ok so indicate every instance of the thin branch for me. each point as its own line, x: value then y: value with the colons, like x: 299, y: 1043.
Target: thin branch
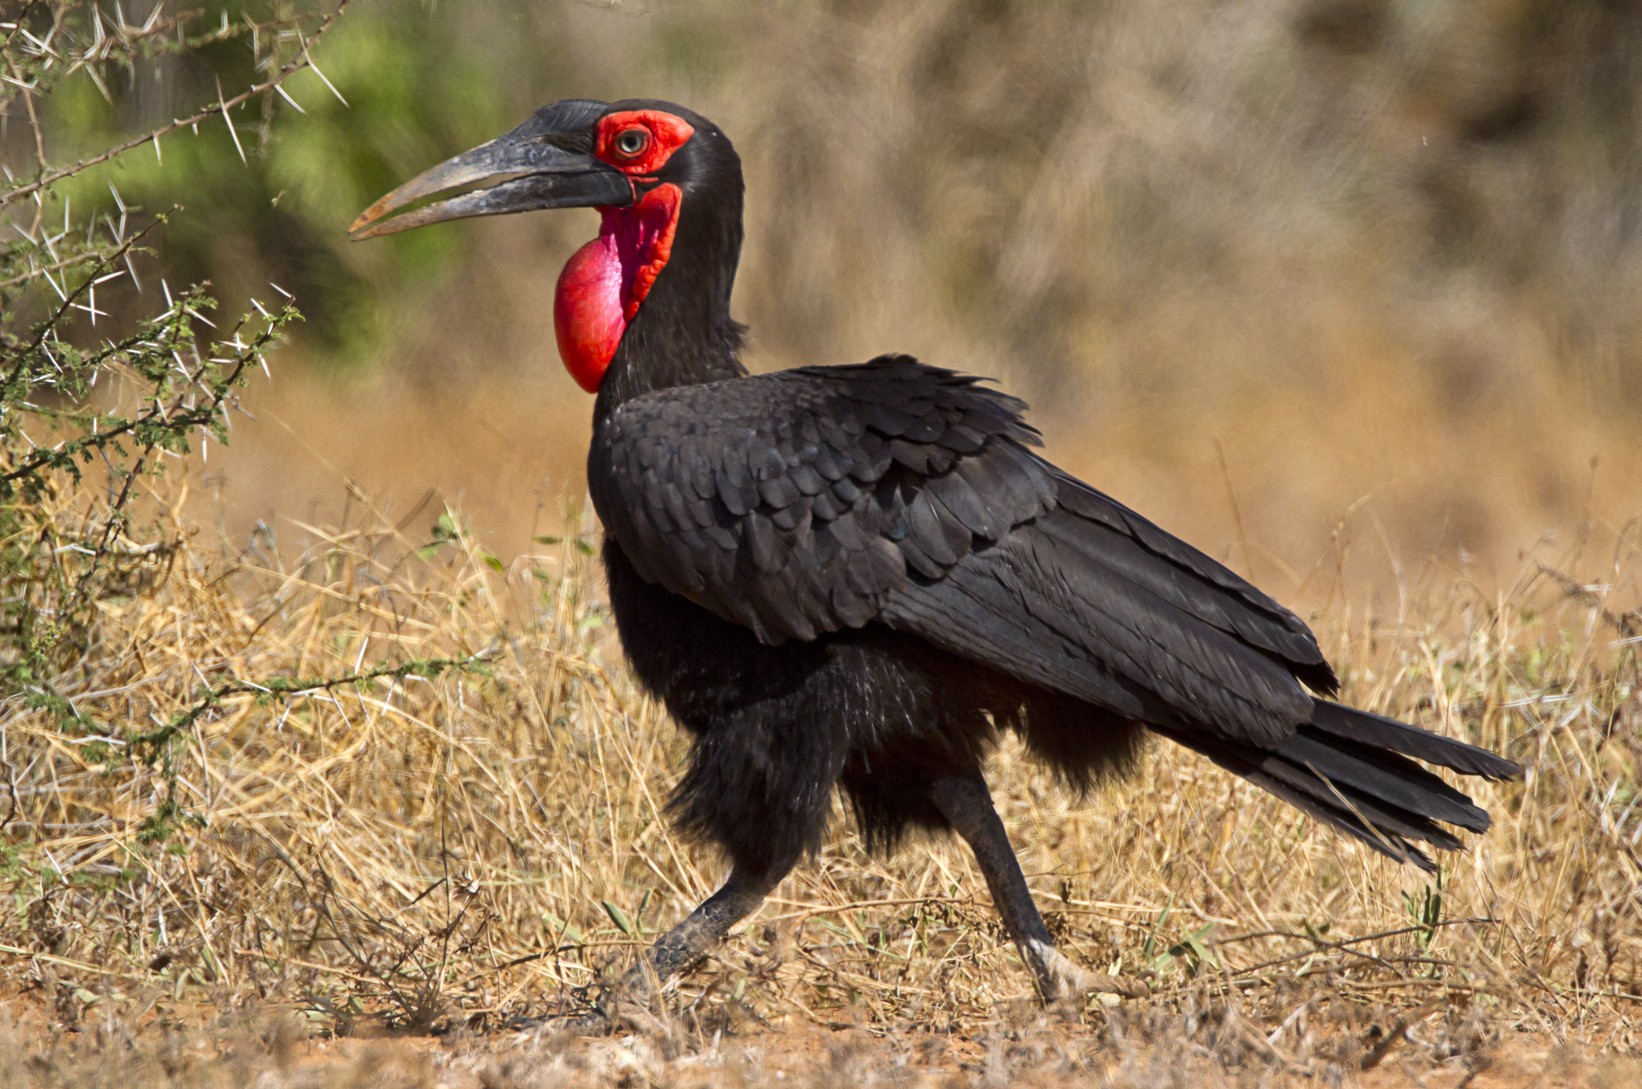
x: 286, y: 688
x: 106, y: 261
x: 222, y: 107
x: 22, y: 17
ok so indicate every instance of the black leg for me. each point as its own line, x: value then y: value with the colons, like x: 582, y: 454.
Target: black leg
x: 967, y: 806
x: 684, y: 946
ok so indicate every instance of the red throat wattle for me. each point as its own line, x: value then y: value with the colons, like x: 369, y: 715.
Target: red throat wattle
x: 603, y: 284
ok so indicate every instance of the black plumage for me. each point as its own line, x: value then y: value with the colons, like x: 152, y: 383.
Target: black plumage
x: 855, y: 577
x: 926, y: 564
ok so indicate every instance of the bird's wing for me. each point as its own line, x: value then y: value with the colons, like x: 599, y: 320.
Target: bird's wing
x: 1093, y: 600
x: 796, y: 503
x: 823, y: 498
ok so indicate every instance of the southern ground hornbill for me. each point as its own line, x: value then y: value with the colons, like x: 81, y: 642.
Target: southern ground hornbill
x: 857, y: 576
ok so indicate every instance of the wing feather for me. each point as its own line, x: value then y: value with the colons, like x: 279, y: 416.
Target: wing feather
x: 807, y: 500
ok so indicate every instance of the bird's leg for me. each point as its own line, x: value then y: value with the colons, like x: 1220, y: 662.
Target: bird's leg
x: 967, y: 806
x: 684, y: 946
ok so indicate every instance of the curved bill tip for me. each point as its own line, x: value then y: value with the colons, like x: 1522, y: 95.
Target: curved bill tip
x: 362, y: 226
x: 484, y: 166
x: 505, y: 175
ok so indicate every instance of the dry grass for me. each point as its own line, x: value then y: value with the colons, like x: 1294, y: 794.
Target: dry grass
x: 446, y: 854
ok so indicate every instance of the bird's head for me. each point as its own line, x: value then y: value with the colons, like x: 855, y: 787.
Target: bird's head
x: 658, y: 173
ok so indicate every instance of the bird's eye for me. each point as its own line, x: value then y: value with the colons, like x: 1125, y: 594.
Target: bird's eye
x: 632, y: 142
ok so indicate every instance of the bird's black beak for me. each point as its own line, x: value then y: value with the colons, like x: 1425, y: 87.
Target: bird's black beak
x: 519, y: 172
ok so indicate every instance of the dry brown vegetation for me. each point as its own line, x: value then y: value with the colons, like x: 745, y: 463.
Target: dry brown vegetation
x: 382, y: 848
x: 1306, y: 282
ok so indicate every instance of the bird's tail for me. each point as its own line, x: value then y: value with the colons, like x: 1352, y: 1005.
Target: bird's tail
x: 1351, y: 769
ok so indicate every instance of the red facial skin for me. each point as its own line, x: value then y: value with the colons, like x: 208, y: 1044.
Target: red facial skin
x: 604, y: 282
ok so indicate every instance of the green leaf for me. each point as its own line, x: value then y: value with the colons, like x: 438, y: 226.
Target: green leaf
x: 619, y: 917
x: 564, y: 931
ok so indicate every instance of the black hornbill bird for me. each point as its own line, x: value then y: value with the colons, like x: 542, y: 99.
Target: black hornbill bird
x: 858, y: 576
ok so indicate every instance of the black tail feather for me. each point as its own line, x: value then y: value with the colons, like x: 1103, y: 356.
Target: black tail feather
x: 1368, y: 728
x: 1386, y: 842
x: 1386, y: 776
x: 1350, y: 769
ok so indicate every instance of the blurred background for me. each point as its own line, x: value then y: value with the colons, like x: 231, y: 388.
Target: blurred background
x: 1340, y: 290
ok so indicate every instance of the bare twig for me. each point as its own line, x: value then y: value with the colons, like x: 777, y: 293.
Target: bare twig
x: 222, y: 106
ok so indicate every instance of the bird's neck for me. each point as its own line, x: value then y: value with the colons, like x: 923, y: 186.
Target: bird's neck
x: 682, y: 333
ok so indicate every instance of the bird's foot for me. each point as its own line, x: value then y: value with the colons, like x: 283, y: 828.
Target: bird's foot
x: 635, y: 1009
x: 628, y: 1006
x: 592, y: 1022
x: 616, y: 1012
x: 1062, y: 981
x: 610, y: 1017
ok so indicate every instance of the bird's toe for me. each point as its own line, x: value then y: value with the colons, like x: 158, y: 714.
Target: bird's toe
x: 1062, y: 980
x: 593, y: 1022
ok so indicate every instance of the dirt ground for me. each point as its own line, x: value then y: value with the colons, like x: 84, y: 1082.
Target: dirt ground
x: 808, y: 1056
x: 1022, y: 1047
